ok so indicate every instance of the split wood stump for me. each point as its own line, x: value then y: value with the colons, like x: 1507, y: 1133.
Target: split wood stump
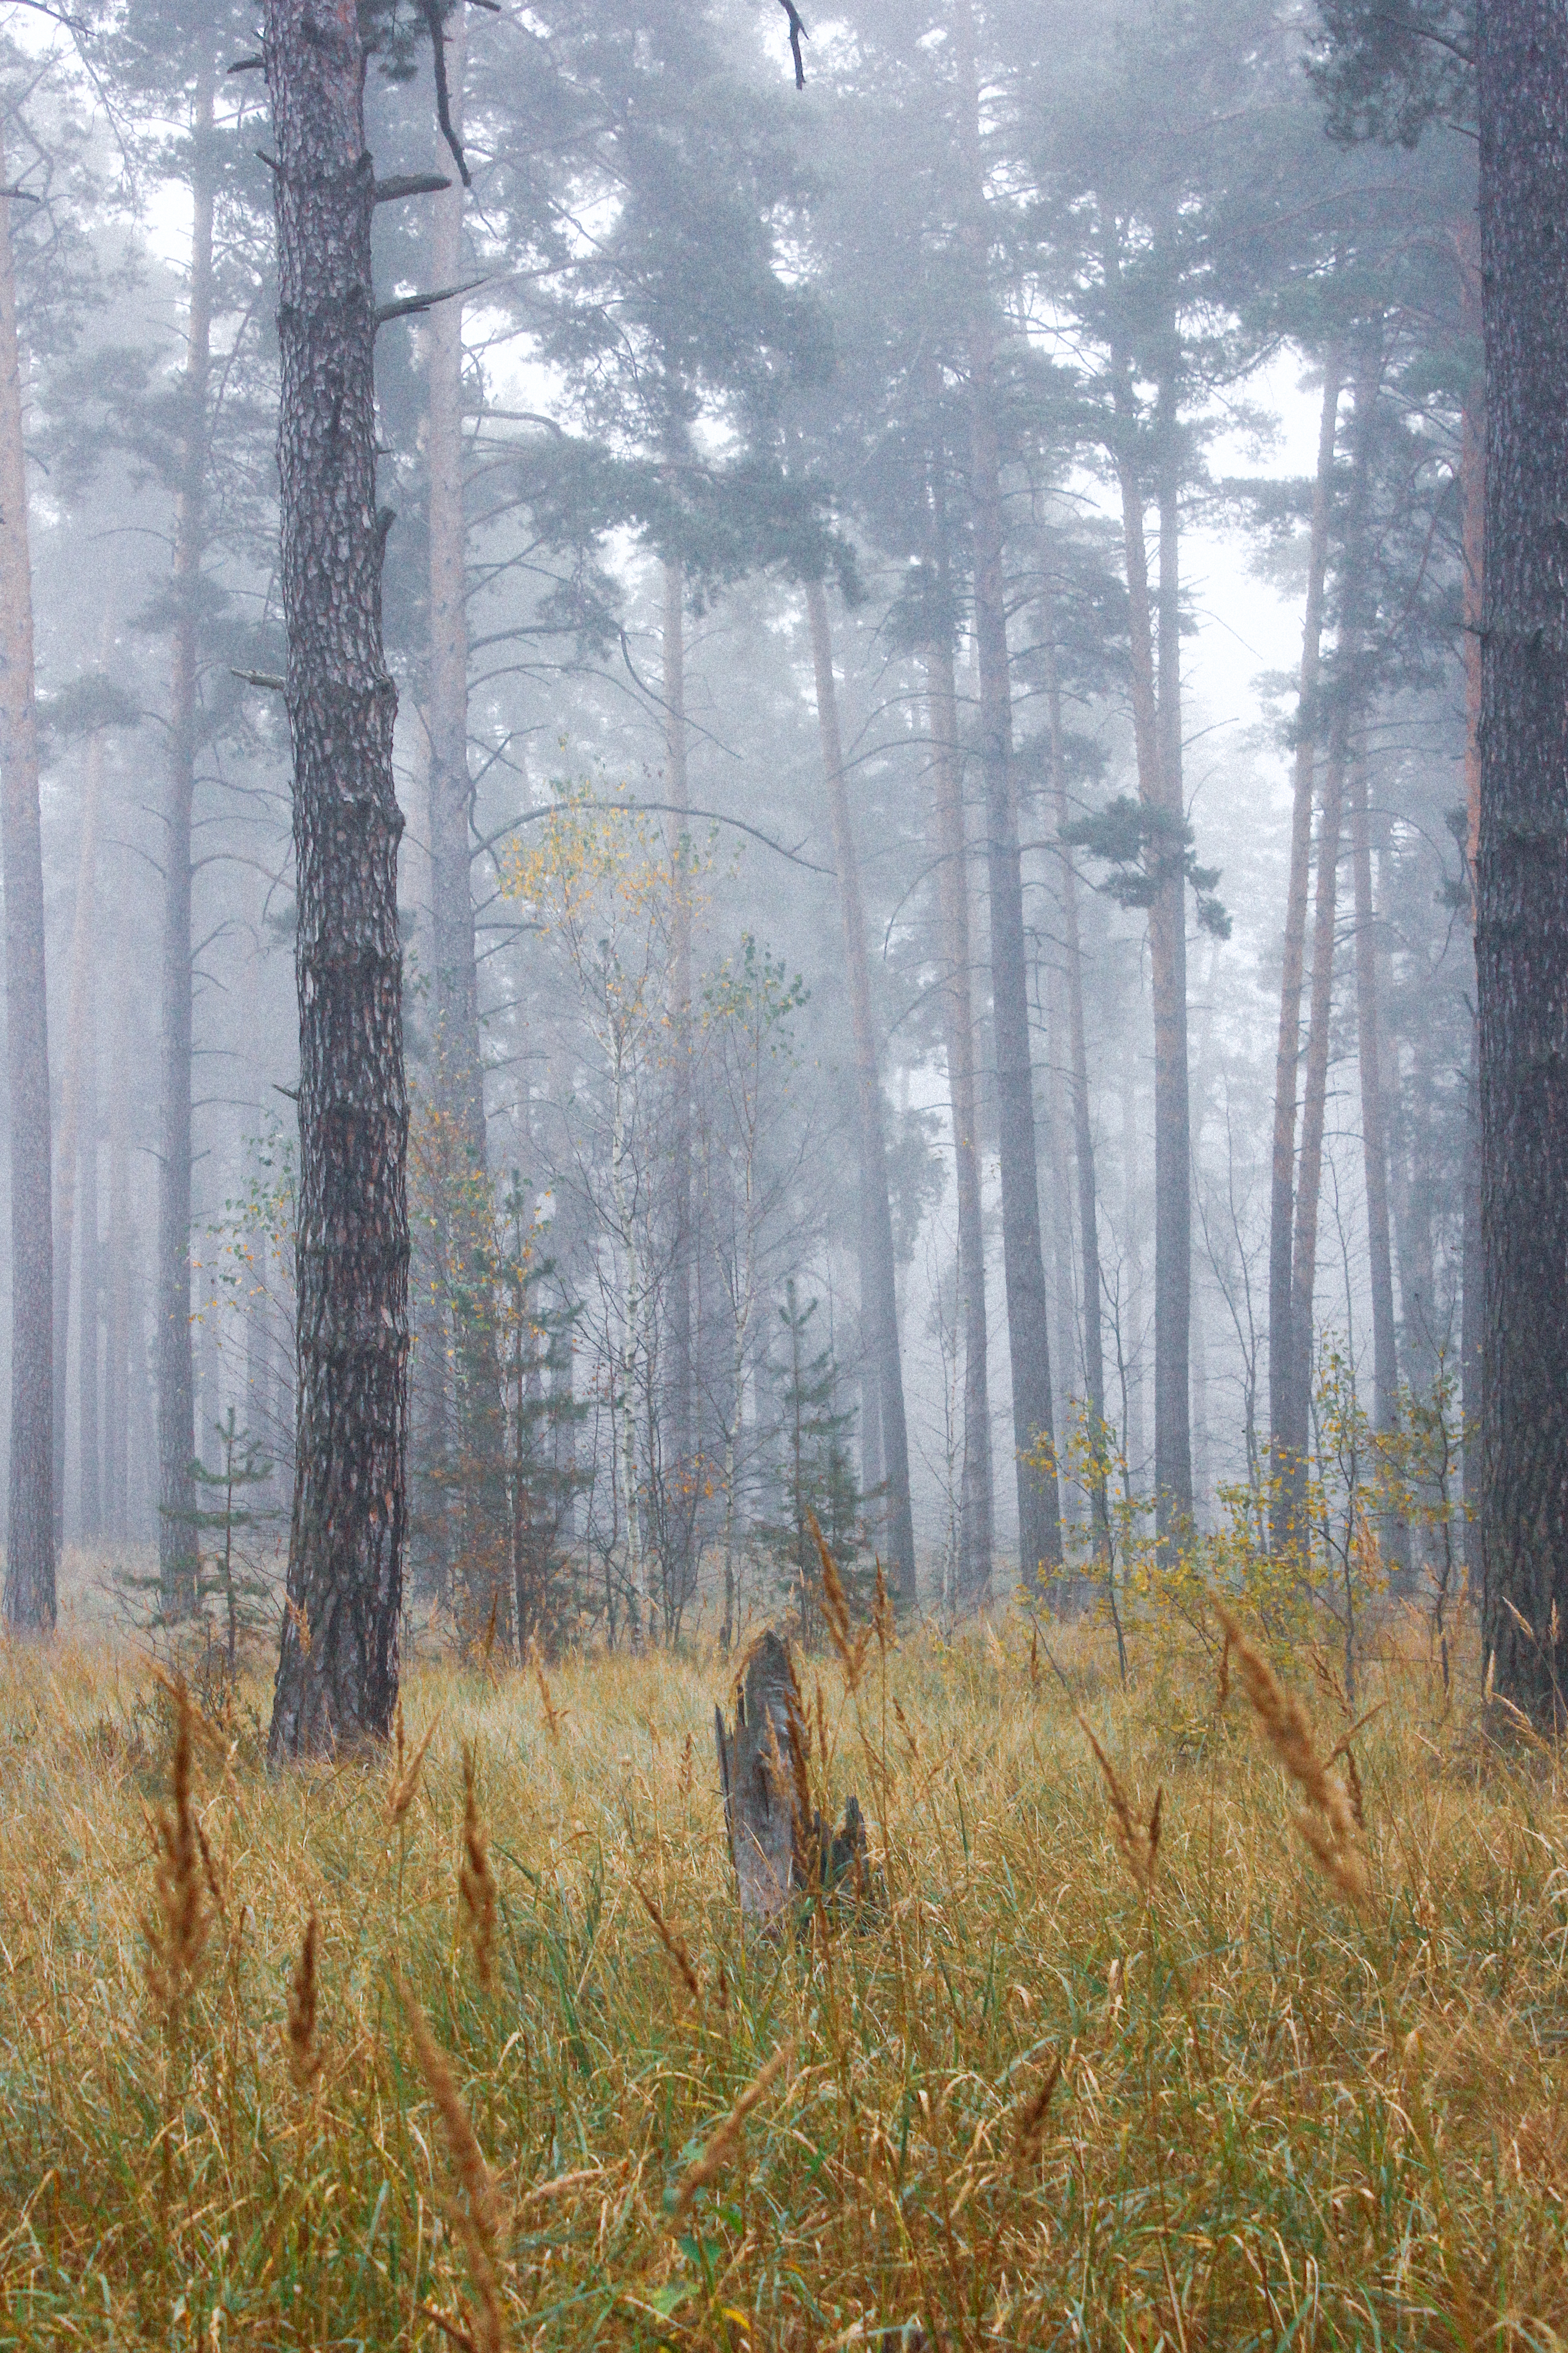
x: 778, y: 1849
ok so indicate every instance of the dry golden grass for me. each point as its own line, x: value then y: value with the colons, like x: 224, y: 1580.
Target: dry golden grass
x: 1266, y: 2094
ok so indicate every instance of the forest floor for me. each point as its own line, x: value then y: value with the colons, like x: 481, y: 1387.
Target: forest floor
x: 1070, y: 2078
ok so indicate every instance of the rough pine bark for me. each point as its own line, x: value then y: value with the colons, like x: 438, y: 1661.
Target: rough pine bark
x: 30, y: 1551
x: 1522, y: 931
x: 176, y: 1383
x: 975, y: 1505
x: 1288, y: 1054
x: 337, y: 1671
x: 1472, y: 488
x: 877, y: 1211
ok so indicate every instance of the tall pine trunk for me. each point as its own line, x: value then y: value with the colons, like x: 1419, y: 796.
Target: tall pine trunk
x: 176, y: 1385
x: 975, y: 1505
x: 1022, y: 1258
x: 338, y: 1667
x: 876, y: 1209
x: 1082, y: 1124
x: 682, y: 1467
x: 30, y: 1551
x: 463, y: 1205
x: 1521, y: 931
x: 1282, y: 1189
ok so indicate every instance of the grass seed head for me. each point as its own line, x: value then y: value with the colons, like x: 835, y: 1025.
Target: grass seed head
x: 304, y: 2054
x: 681, y: 1966
x: 1030, y: 2127
x: 479, y: 2225
x: 177, y: 1932
x: 1328, y: 1823
x: 405, y: 1783
x: 476, y: 1881
x: 554, y: 1716
x: 1139, y: 1842
x: 723, y: 2144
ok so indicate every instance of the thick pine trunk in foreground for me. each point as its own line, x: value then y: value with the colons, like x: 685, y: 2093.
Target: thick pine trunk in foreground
x: 1282, y: 1190
x: 1521, y: 931
x: 975, y: 1505
x: 337, y: 1672
x: 176, y: 1382
x: 880, y: 1311
x: 30, y: 1511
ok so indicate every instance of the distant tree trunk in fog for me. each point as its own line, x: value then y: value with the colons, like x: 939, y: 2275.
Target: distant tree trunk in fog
x: 141, y: 1462
x: 1375, y: 1148
x: 176, y: 1398
x: 117, y: 1351
x: 1082, y: 1124
x: 1521, y: 931
x: 880, y: 1312
x: 462, y: 1202
x: 1168, y: 976
x: 1023, y: 1260
x: 683, y: 1467
x: 1343, y: 719
x: 79, y: 1140
x: 30, y: 1551
x: 1283, y: 1191
x: 975, y: 1505
x: 338, y: 1667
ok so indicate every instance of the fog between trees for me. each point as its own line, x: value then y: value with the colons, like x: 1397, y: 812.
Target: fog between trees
x: 934, y: 621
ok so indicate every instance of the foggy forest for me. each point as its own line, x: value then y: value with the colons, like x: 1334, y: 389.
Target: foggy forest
x: 785, y: 808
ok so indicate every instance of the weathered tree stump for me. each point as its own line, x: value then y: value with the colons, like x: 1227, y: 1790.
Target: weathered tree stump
x: 777, y: 1852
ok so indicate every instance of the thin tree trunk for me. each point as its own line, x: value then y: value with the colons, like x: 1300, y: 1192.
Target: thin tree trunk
x: 1375, y: 1148
x: 29, y: 1594
x: 176, y: 1388
x: 338, y: 1668
x: 975, y: 1505
x: 78, y: 1119
x: 1283, y: 1191
x: 1082, y: 1123
x: 876, y: 1209
x: 682, y: 1381
x: 1168, y: 975
x: 1023, y: 1260
x: 141, y: 1498
x: 1347, y: 695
